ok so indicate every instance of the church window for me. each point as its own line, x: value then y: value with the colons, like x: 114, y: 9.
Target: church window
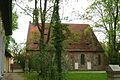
x: 35, y: 43
x: 99, y: 60
x: 82, y: 59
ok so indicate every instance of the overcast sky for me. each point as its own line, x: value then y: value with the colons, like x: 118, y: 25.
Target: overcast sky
x: 68, y: 10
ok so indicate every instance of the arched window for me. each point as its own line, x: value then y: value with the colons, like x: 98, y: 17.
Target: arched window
x: 99, y: 60
x: 82, y: 59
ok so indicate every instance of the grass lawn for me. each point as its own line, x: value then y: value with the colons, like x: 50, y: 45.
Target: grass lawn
x: 86, y: 76
x: 31, y: 76
x: 75, y: 76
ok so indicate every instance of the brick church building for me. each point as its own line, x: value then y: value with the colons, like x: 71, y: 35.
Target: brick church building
x: 86, y: 53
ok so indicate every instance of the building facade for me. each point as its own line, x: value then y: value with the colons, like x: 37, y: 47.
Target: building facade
x: 8, y: 59
x: 86, y: 53
x: 2, y: 48
x: 5, y: 29
x: 83, y: 53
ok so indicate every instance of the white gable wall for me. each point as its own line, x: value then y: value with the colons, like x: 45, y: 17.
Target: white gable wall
x: 2, y: 48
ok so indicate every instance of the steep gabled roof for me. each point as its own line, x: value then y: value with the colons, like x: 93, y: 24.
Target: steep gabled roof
x: 86, y: 42
x: 32, y: 37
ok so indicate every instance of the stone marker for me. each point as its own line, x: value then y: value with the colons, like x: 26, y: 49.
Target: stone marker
x: 76, y: 65
x: 89, y: 67
x: 113, y: 72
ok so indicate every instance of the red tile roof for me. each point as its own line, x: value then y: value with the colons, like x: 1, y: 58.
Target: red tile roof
x: 86, y: 42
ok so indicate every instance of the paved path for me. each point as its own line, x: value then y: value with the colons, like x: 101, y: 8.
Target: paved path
x: 14, y: 76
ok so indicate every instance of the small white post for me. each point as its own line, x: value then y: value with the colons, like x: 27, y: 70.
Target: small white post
x: 76, y: 65
x: 89, y: 65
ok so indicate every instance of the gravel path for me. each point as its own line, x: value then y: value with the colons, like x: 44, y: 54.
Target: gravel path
x: 14, y: 76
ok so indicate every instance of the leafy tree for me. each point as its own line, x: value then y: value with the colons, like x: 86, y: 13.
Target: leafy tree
x: 49, y: 57
x: 105, y: 14
x: 14, y: 27
x: 20, y: 61
x: 47, y: 60
x: 18, y: 51
x: 58, y: 38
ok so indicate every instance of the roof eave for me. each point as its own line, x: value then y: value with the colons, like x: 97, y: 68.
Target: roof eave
x: 83, y: 50
x: 6, y: 8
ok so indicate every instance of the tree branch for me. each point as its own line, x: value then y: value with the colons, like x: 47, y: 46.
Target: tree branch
x: 116, y: 17
x: 102, y: 16
x: 49, y: 9
x: 40, y: 7
x: 23, y: 9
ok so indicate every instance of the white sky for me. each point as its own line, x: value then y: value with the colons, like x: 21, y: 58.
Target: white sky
x: 68, y: 10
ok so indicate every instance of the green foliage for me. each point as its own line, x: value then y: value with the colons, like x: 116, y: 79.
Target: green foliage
x: 46, y: 57
x: 66, y: 31
x: 31, y: 76
x: 20, y: 60
x: 9, y: 39
x: 58, y: 38
x: 88, y: 31
x: 115, y: 59
x: 14, y: 21
x: 35, y: 37
x: 72, y: 38
x: 18, y: 51
x: 48, y: 64
x: 105, y: 14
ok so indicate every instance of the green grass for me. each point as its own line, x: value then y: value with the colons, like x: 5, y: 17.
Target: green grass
x: 31, y: 76
x: 86, y: 76
x: 74, y: 76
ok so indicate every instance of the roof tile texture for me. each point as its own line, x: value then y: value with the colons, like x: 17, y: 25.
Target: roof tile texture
x: 86, y: 42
